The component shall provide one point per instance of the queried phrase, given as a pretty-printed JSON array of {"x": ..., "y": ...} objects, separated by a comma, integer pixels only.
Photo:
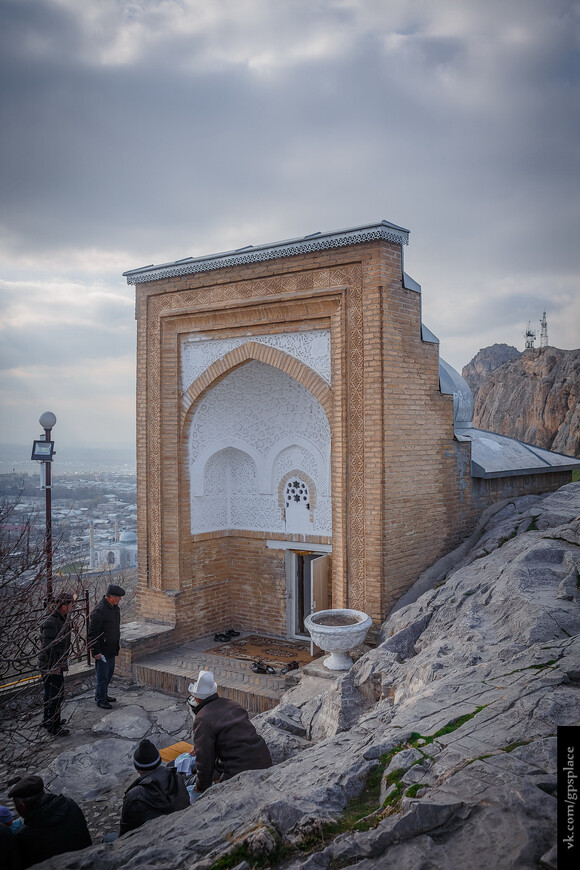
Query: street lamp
[{"x": 43, "y": 451}]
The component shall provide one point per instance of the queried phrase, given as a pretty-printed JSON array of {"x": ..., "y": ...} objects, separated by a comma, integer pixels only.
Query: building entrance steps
[{"x": 172, "y": 670}]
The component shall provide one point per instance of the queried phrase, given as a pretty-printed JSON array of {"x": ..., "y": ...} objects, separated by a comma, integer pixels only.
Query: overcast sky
[{"x": 142, "y": 131}]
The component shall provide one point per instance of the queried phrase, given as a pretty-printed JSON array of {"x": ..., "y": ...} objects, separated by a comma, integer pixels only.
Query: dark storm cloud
[{"x": 138, "y": 131}]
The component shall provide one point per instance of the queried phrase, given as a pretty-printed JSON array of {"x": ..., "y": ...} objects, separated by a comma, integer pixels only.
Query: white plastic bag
[{"x": 184, "y": 763}]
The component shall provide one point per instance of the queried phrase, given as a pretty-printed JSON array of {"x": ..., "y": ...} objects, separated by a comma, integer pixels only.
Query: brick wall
[{"x": 402, "y": 492}]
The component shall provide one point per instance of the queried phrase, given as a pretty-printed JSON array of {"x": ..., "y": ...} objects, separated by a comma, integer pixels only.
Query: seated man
[
  {"x": 158, "y": 791},
  {"x": 53, "y": 824},
  {"x": 222, "y": 730}
]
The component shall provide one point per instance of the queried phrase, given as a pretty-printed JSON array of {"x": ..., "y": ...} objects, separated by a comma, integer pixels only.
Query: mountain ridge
[{"x": 531, "y": 396}]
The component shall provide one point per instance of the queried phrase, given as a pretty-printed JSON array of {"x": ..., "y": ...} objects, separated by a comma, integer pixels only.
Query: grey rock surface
[
  {"x": 131, "y": 722},
  {"x": 90, "y": 770},
  {"x": 475, "y": 676}
]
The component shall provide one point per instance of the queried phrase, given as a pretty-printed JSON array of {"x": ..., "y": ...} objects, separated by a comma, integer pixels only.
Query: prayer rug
[
  {"x": 170, "y": 753},
  {"x": 266, "y": 649}
]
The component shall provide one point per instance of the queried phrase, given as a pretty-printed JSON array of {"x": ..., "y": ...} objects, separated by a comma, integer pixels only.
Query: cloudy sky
[{"x": 142, "y": 131}]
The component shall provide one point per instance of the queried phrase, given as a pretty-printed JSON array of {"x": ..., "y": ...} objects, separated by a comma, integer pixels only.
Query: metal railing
[{"x": 21, "y": 642}]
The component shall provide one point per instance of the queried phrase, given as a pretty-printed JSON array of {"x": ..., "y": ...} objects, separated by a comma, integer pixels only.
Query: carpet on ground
[{"x": 266, "y": 649}]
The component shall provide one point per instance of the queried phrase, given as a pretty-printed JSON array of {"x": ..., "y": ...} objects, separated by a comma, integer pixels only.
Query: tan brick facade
[{"x": 402, "y": 494}]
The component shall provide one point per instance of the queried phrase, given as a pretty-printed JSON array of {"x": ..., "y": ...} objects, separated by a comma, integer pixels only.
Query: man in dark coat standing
[
  {"x": 222, "y": 730},
  {"x": 53, "y": 662},
  {"x": 158, "y": 791},
  {"x": 105, "y": 642},
  {"x": 53, "y": 824}
]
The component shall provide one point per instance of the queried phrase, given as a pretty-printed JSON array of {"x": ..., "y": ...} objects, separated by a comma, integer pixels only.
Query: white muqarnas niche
[{"x": 249, "y": 435}]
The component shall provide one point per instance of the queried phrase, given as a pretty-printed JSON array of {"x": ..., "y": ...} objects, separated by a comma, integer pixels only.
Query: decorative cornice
[{"x": 383, "y": 231}]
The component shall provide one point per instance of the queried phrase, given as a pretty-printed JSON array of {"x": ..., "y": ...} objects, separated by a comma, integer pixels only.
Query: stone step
[{"x": 174, "y": 669}]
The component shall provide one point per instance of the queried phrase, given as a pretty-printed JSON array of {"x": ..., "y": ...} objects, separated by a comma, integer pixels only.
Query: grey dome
[
  {"x": 452, "y": 384},
  {"x": 128, "y": 537}
]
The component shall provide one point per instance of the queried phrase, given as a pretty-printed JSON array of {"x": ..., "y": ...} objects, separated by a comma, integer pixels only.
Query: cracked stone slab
[
  {"x": 172, "y": 720},
  {"x": 91, "y": 770},
  {"x": 131, "y": 722}
]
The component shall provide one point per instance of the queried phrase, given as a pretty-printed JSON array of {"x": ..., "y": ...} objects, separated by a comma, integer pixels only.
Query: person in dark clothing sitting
[
  {"x": 53, "y": 824},
  {"x": 222, "y": 730},
  {"x": 9, "y": 851},
  {"x": 158, "y": 791}
]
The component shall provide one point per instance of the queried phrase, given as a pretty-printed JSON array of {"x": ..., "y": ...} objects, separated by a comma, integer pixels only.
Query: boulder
[{"x": 464, "y": 695}]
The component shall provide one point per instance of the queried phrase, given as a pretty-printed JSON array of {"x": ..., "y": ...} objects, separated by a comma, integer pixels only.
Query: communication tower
[
  {"x": 544, "y": 331},
  {"x": 530, "y": 336}
]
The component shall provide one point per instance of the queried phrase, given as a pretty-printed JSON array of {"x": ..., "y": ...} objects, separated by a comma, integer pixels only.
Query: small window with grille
[{"x": 296, "y": 493}]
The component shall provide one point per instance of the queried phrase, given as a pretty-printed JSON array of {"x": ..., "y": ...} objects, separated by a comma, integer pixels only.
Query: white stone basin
[{"x": 344, "y": 630}]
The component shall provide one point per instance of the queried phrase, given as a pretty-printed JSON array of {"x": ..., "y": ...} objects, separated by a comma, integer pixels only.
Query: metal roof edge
[
  {"x": 410, "y": 283},
  {"x": 314, "y": 242},
  {"x": 478, "y": 471},
  {"x": 531, "y": 447}
]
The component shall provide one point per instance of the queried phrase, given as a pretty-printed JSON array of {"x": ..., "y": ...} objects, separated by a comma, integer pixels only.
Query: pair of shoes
[
  {"x": 291, "y": 666},
  {"x": 260, "y": 668},
  {"x": 110, "y": 700},
  {"x": 59, "y": 731},
  {"x": 50, "y": 725},
  {"x": 104, "y": 705},
  {"x": 222, "y": 638}
]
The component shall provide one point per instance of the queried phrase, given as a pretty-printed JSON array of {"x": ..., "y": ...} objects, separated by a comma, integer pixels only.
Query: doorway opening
[{"x": 307, "y": 588}]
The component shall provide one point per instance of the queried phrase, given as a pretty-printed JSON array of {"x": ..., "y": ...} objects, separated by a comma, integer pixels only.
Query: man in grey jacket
[{"x": 158, "y": 791}]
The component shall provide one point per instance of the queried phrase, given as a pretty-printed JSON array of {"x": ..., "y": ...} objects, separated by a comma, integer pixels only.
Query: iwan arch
[{"x": 294, "y": 439}]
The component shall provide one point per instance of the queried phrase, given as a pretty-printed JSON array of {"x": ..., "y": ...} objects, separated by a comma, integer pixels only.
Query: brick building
[{"x": 298, "y": 440}]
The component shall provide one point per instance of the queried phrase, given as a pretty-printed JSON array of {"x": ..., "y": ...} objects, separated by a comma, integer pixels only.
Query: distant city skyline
[{"x": 146, "y": 132}]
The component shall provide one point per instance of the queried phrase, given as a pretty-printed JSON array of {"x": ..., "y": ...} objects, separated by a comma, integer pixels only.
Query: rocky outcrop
[
  {"x": 445, "y": 733},
  {"x": 533, "y": 397},
  {"x": 485, "y": 361}
]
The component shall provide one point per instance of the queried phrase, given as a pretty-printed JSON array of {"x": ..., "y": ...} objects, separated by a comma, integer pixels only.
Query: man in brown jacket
[{"x": 223, "y": 733}]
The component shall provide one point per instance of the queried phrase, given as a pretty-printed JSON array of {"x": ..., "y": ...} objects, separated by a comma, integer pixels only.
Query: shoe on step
[
  {"x": 104, "y": 705},
  {"x": 111, "y": 700},
  {"x": 59, "y": 732}
]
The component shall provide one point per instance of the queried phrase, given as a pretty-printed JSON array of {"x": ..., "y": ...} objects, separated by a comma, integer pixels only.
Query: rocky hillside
[
  {"x": 436, "y": 750},
  {"x": 532, "y": 397},
  {"x": 485, "y": 361}
]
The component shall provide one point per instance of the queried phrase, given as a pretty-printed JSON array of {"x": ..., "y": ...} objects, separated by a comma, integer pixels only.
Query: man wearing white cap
[{"x": 222, "y": 730}]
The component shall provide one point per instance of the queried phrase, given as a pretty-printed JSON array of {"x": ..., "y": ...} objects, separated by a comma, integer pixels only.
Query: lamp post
[{"x": 43, "y": 451}]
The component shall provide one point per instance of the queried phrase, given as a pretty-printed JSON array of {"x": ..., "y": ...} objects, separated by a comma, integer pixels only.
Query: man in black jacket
[
  {"x": 53, "y": 662},
  {"x": 222, "y": 730},
  {"x": 105, "y": 641},
  {"x": 158, "y": 791},
  {"x": 53, "y": 824}
]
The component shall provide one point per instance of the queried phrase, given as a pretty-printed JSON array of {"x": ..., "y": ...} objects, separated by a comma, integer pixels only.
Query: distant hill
[{"x": 532, "y": 396}]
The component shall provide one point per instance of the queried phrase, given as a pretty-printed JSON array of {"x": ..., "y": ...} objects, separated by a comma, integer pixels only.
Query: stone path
[{"x": 94, "y": 764}]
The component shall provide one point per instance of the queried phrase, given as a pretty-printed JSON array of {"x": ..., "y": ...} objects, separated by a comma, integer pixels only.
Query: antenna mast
[
  {"x": 544, "y": 331},
  {"x": 530, "y": 336}
]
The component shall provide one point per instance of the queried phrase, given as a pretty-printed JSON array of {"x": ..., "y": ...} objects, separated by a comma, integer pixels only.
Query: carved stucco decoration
[
  {"x": 246, "y": 434},
  {"x": 199, "y": 351}
]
